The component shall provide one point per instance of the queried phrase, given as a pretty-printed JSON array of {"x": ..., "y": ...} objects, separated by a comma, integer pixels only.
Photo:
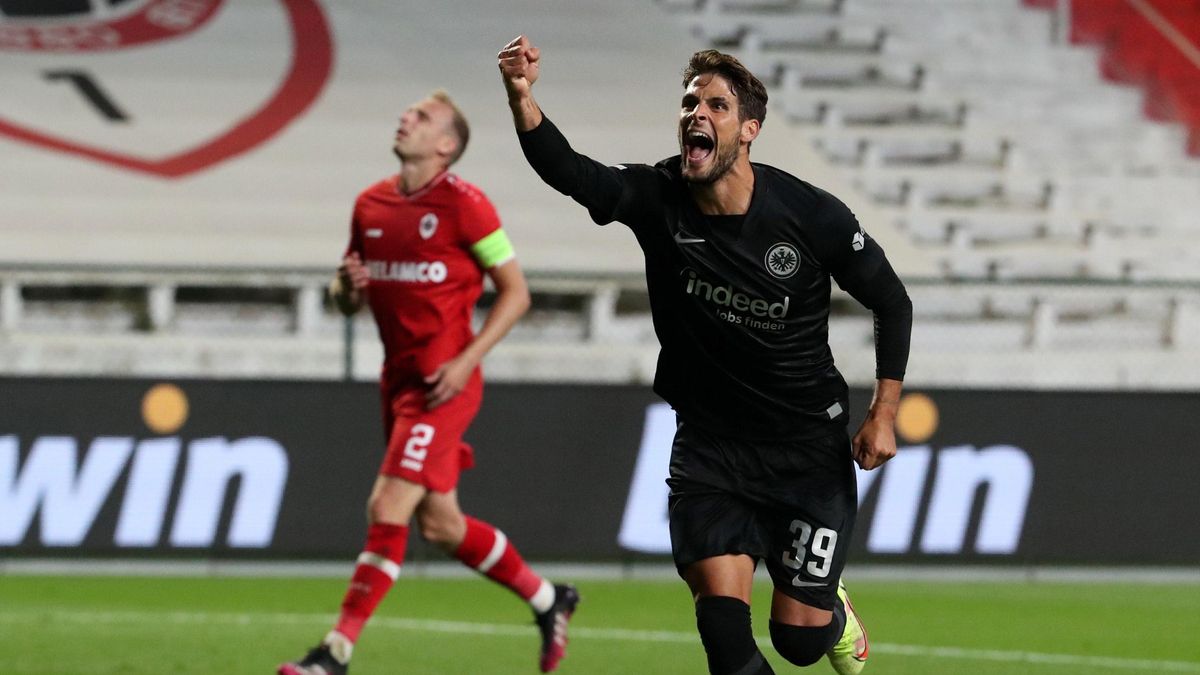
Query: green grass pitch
[{"x": 166, "y": 625}]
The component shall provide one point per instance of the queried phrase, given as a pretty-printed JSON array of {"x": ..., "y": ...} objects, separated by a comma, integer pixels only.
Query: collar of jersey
[{"x": 433, "y": 182}]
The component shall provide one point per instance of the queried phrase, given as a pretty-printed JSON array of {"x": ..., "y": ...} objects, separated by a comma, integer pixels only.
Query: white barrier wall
[{"x": 221, "y": 133}]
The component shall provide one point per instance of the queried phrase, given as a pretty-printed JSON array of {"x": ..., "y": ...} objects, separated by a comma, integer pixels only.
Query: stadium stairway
[
  {"x": 1063, "y": 221},
  {"x": 1018, "y": 193},
  {"x": 1002, "y": 152},
  {"x": 1152, "y": 44}
]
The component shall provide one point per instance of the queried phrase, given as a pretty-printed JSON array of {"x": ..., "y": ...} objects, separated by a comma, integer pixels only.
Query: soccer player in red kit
[{"x": 420, "y": 244}]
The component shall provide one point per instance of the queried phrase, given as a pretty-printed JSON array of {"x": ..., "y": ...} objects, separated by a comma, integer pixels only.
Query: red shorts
[{"x": 425, "y": 446}]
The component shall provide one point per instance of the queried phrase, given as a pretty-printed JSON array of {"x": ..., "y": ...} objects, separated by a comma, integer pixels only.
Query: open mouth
[{"x": 698, "y": 146}]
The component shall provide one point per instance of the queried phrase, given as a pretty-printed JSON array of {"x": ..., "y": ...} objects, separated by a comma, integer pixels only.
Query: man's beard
[{"x": 721, "y": 166}]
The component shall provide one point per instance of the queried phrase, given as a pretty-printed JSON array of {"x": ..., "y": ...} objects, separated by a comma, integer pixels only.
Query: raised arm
[
  {"x": 519, "y": 69},
  {"x": 601, "y": 189}
]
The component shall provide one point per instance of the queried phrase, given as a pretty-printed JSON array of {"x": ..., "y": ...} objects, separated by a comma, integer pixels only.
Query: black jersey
[{"x": 741, "y": 303}]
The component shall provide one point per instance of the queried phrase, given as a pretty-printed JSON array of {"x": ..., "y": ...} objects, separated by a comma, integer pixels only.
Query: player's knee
[
  {"x": 441, "y": 529},
  {"x": 802, "y": 645},
  {"x": 433, "y": 528},
  {"x": 378, "y": 511},
  {"x": 390, "y": 502},
  {"x": 724, "y": 625}
]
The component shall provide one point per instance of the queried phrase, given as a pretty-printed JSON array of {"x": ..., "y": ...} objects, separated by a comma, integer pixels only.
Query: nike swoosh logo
[
  {"x": 808, "y": 584},
  {"x": 680, "y": 239}
]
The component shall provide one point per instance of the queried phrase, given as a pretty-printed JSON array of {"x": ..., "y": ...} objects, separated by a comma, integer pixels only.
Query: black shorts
[{"x": 791, "y": 503}]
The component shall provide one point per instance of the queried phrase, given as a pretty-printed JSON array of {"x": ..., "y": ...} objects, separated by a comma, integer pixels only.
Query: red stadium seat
[{"x": 1139, "y": 49}]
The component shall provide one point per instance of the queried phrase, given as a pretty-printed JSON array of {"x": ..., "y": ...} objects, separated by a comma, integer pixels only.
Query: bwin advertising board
[{"x": 574, "y": 472}]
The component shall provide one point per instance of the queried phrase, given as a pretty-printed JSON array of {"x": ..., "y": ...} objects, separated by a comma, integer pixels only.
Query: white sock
[
  {"x": 543, "y": 599},
  {"x": 340, "y": 646}
]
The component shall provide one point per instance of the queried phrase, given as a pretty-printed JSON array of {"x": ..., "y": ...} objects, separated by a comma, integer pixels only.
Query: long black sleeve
[
  {"x": 741, "y": 312},
  {"x": 874, "y": 283},
  {"x": 594, "y": 185}
]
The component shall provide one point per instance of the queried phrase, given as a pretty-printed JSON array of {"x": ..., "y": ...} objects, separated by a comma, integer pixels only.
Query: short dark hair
[{"x": 751, "y": 94}]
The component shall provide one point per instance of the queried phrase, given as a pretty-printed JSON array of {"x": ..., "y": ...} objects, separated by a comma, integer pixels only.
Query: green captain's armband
[{"x": 494, "y": 249}]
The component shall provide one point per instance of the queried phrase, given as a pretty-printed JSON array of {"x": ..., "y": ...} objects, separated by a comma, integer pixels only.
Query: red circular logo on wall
[
  {"x": 92, "y": 29},
  {"x": 54, "y": 27}
]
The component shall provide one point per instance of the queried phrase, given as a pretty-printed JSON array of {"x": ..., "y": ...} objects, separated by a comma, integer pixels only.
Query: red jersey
[{"x": 424, "y": 276}]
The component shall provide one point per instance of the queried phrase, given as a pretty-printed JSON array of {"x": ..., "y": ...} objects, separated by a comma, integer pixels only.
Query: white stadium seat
[{"x": 1029, "y": 205}]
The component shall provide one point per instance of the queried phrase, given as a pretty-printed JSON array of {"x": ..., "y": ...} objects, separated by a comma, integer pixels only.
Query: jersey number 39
[{"x": 817, "y": 548}]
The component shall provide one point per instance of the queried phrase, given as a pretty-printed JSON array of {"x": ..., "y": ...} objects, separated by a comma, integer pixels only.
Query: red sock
[
  {"x": 378, "y": 566},
  {"x": 487, "y": 550}
]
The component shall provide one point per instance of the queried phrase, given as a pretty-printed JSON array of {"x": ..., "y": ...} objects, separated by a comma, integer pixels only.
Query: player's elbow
[
  {"x": 515, "y": 297},
  {"x": 895, "y": 306},
  {"x": 905, "y": 302},
  {"x": 522, "y": 301}
]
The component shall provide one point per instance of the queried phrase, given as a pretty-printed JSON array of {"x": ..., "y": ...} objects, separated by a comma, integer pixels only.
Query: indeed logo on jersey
[
  {"x": 420, "y": 272},
  {"x": 736, "y": 301}
]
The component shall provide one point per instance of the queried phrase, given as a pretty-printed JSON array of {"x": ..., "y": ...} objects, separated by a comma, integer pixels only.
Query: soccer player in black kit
[{"x": 739, "y": 258}]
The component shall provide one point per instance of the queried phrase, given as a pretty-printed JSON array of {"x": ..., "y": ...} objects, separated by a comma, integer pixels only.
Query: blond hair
[{"x": 458, "y": 122}]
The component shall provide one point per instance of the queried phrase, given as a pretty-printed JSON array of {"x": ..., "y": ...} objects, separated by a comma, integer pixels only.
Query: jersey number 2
[{"x": 417, "y": 447}]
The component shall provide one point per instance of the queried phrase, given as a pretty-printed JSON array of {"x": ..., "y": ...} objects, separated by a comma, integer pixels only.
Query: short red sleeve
[{"x": 478, "y": 218}]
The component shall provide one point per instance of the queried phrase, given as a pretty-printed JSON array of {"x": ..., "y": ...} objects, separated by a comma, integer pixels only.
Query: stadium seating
[
  {"x": 955, "y": 105},
  {"x": 1150, "y": 44},
  {"x": 1046, "y": 228}
]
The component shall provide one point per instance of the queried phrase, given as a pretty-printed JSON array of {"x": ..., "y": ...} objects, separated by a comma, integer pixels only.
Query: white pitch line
[
  {"x": 583, "y": 632},
  {"x": 1039, "y": 658}
]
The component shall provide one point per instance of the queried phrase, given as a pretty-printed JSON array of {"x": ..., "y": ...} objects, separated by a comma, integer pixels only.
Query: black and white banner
[{"x": 573, "y": 472}]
